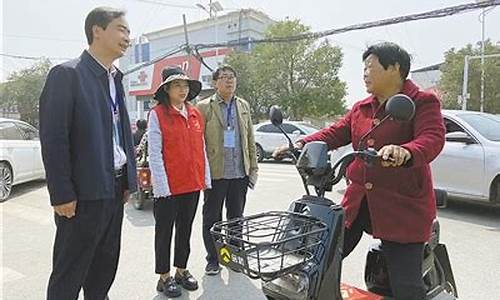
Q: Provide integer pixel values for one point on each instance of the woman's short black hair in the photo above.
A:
(100, 16)
(389, 54)
(222, 68)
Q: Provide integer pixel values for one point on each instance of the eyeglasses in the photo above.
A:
(227, 77)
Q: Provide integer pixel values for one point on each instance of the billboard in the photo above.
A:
(143, 82)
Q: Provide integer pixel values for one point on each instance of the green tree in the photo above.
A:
(300, 76)
(23, 88)
(452, 78)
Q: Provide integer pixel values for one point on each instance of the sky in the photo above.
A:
(54, 28)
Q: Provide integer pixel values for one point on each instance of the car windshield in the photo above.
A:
(487, 125)
(308, 129)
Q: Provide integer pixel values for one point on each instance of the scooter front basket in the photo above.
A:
(269, 245)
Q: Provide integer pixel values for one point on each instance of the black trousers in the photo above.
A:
(179, 210)
(231, 191)
(87, 248)
(404, 261)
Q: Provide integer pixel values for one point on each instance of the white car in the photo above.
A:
(20, 155)
(268, 137)
(468, 168)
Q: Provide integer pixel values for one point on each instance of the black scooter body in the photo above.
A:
(323, 276)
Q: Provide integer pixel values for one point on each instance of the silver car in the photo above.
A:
(268, 137)
(469, 165)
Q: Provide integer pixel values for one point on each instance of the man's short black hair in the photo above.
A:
(100, 16)
(390, 54)
(220, 69)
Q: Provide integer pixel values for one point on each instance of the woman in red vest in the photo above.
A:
(180, 170)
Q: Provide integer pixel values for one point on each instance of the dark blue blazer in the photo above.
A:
(76, 132)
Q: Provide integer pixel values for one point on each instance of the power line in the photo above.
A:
(167, 4)
(439, 13)
(177, 5)
(43, 38)
(155, 60)
(32, 57)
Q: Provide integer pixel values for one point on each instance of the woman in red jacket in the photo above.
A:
(179, 169)
(393, 202)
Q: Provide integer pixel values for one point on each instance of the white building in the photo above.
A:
(242, 25)
(428, 78)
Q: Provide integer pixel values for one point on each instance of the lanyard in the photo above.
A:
(229, 110)
(115, 112)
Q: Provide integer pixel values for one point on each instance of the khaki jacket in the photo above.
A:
(214, 136)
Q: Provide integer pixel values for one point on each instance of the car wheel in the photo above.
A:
(496, 191)
(5, 181)
(259, 152)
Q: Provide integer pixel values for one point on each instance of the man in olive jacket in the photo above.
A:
(230, 147)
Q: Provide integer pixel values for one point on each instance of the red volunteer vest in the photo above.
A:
(183, 148)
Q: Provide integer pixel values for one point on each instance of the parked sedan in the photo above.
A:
(20, 155)
(469, 165)
(268, 137)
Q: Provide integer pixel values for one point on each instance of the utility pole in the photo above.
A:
(481, 107)
(188, 47)
(465, 94)
(482, 16)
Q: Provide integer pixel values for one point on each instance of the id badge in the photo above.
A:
(229, 138)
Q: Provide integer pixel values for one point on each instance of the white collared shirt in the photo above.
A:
(120, 158)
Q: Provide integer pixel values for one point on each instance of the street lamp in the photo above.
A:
(465, 95)
(482, 20)
(212, 7)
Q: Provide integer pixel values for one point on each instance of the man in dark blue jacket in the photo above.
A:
(88, 154)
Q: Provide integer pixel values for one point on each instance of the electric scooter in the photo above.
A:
(298, 253)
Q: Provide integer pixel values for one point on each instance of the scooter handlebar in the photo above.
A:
(369, 155)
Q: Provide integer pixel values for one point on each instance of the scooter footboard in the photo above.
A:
(268, 245)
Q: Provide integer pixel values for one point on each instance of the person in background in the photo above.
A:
(230, 144)
(180, 170)
(141, 125)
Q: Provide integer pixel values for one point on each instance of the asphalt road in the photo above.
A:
(471, 233)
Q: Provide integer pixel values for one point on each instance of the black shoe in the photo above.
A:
(186, 280)
(234, 269)
(169, 287)
(212, 269)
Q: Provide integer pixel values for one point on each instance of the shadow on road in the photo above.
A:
(140, 218)
(214, 287)
(472, 213)
(238, 286)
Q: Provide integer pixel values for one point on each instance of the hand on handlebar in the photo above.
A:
(393, 156)
(282, 151)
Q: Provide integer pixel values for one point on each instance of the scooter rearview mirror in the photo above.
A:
(275, 115)
(400, 107)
